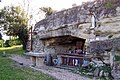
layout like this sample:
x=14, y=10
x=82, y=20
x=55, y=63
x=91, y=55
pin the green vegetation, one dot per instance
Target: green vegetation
x=108, y=7
x=15, y=22
x=9, y=70
x=117, y=58
x=47, y=10
x=1, y=43
x=109, y=4
x=12, y=50
x=12, y=42
x=9, y=43
x=91, y=71
x=116, y=38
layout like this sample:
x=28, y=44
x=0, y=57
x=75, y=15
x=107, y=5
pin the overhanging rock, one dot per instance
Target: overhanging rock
x=74, y=22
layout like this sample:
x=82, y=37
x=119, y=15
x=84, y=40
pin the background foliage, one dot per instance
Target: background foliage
x=15, y=21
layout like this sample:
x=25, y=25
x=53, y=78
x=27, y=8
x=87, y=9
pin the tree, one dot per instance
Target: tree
x=47, y=10
x=15, y=22
x=0, y=36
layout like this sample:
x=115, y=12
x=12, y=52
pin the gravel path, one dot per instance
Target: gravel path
x=59, y=74
x=21, y=59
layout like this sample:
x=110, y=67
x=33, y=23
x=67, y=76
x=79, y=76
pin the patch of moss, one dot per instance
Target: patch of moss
x=117, y=58
x=109, y=4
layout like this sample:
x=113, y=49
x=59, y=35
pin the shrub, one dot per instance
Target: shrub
x=6, y=44
x=1, y=43
x=14, y=42
x=117, y=58
x=18, y=42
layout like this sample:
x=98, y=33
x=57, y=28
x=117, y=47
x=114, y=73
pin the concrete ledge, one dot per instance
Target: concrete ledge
x=35, y=54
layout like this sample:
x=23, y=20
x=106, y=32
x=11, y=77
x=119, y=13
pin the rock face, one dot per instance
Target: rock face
x=76, y=22
x=116, y=75
x=63, y=23
x=105, y=45
x=37, y=45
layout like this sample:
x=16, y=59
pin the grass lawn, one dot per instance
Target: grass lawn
x=12, y=50
x=10, y=70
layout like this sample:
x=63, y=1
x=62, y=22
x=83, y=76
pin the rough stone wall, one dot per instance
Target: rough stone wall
x=57, y=49
x=38, y=45
x=106, y=45
x=109, y=26
x=76, y=22
x=66, y=17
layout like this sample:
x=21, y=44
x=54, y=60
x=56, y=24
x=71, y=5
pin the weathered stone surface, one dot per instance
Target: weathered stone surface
x=60, y=19
x=105, y=45
x=96, y=72
x=38, y=45
x=76, y=22
x=69, y=30
x=54, y=24
x=115, y=75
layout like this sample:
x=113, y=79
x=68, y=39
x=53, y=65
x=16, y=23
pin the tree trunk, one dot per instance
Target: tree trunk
x=24, y=39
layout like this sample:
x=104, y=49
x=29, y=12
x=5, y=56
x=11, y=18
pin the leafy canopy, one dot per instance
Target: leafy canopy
x=15, y=21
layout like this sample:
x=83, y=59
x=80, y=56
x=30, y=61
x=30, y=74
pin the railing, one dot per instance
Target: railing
x=72, y=59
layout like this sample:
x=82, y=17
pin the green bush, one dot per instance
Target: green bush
x=10, y=43
x=117, y=58
x=1, y=43
x=6, y=44
x=18, y=42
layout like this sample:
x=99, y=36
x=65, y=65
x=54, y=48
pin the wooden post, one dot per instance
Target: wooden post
x=31, y=39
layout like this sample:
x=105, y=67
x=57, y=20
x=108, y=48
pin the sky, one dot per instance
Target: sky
x=55, y=4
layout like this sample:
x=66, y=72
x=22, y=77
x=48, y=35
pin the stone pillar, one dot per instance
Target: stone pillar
x=39, y=61
x=33, y=60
